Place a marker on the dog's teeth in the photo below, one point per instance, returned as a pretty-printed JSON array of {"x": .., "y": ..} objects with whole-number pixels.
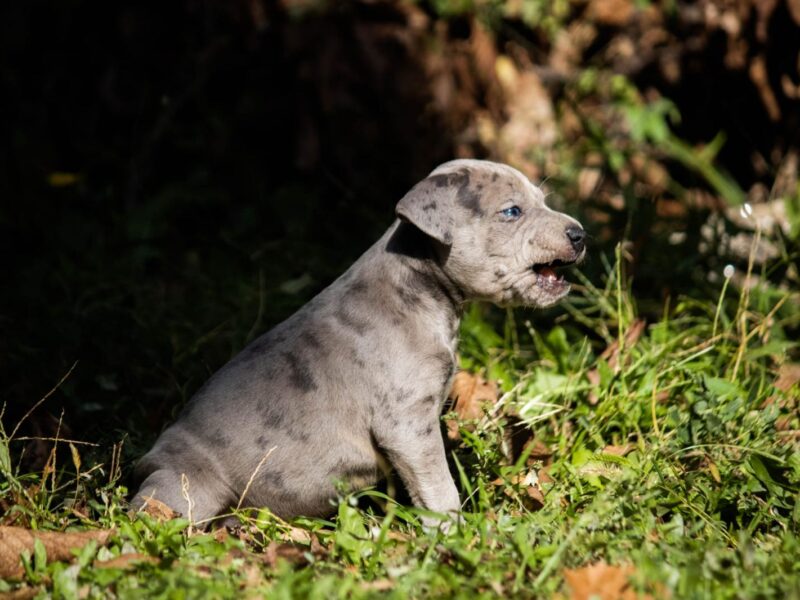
[{"x": 548, "y": 274}]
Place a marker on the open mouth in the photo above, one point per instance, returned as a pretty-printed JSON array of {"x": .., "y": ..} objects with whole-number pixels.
[{"x": 547, "y": 275}]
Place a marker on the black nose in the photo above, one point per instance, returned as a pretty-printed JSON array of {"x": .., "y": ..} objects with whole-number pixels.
[{"x": 577, "y": 237}]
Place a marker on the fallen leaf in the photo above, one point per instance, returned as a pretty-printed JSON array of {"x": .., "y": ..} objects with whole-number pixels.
[
  {"x": 611, "y": 354},
  {"x": 788, "y": 376},
  {"x": 292, "y": 553},
  {"x": 614, "y": 13},
  {"x": 531, "y": 123},
  {"x": 221, "y": 534},
  {"x": 544, "y": 475},
  {"x": 588, "y": 181},
  {"x": 23, "y": 593},
  {"x": 253, "y": 577},
  {"x": 618, "y": 450},
  {"x": 302, "y": 536},
  {"x": 317, "y": 549},
  {"x": 399, "y": 536},
  {"x": 125, "y": 561},
  {"x": 535, "y": 500},
  {"x": 794, "y": 10},
  {"x": 158, "y": 510},
  {"x": 601, "y": 581},
  {"x": 529, "y": 482},
  {"x": 378, "y": 585},
  {"x": 517, "y": 436},
  {"x": 59, "y": 545},
  {"x": 470, "y": 393},
  {"x": 538, "y": 451},
  {"x": 787, "y": 382},
  {"x": 760, "y": 78}
]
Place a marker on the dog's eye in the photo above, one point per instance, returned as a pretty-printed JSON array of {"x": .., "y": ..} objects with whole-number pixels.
[{"x": 512, "y": 212}]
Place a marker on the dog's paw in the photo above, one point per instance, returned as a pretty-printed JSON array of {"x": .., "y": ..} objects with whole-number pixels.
[{"x": 448, "y": 523}]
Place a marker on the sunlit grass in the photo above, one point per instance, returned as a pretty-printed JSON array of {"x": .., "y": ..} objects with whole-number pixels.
[{"x": 664, "y": 454}]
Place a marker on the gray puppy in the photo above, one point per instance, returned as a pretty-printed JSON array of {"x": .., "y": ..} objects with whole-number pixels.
[{"x": 361, "y": 371}]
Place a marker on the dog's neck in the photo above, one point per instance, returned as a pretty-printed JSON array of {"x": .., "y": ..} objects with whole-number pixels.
[{"x": 423, "y": 257}]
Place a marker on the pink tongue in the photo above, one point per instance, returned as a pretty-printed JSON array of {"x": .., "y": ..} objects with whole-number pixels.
[{"x": 548, "y": 273}]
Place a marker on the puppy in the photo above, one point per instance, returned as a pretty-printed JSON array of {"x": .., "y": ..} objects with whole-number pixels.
[{"x": 358, "y": 375}]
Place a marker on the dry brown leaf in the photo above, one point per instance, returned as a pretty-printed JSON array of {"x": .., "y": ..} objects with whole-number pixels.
[
  {"x": 125, "y": 561},
  {"x": 786, "y": 381},
  {"x": 59, "y": 545},
  {"x": 790, "y": 90},
  {"x": 533, "y": 498},
  {"x": 484, "y": 51},
  {"x": 398, "y": 536},
  {"x": 788, "y": 376},
  {"x": 471, "y": 393},
  {"x": 764, "y": 10},
  {"x": 23, "y": 593},
  {"x": 794, "y": 10},
  {"x": 158, "y": 510},
  {"x": 539, "y": 452},
  {"x": 317, "y": 549},
  {"x": 544, "y": 475},
  {"x": 601, "y": 581},
  {"x": 651, "y": 172},
  {"x": 253, "y": 577},
  {"x": 531, "y": 124},
  {"x": 588, "y": 181},
  {"x": 378, "y": 585},
  {"x": 611, "y": 354},
  {"x": 760, "y": 78},
  {"x": 614, "y": 13},
  {"x": 301, "y": 536},
  {"x": 292, "y": 553},
  {"x": 618, "y": 450},
  {"x": 221, "y": 534},
  {"x": 789, "y": 436},
  {"x": 668, "y": 208}
]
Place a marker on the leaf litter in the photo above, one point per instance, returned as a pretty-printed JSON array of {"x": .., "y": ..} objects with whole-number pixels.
[
  {"x": 471, "y": 395},
  {"x": 601, "y": 581},
  {"x": 59, "y": 546}
]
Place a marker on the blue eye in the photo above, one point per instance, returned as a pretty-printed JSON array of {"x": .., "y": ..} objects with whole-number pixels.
[{"x": 513, "y": 212}]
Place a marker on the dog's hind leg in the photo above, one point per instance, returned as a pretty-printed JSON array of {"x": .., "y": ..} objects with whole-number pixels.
[{"x": 196, "y": 499}]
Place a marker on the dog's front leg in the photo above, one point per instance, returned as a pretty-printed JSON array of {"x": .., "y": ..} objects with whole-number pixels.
[{"x": 416, "y": 450}]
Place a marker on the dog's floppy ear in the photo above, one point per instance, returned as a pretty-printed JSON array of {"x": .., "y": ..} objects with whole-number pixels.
[{"x": 429, "y": 205}]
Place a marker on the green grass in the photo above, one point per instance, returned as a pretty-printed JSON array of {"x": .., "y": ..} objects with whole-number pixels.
[{"x": 703, "y": 503}]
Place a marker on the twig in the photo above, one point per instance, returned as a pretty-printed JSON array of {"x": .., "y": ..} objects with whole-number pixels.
[
  {"x": 253, "y": 476},
  {"x": 32, "y": 438},
  {"x": 189, "y": 501},
  {"x": 43, "y": 398}
]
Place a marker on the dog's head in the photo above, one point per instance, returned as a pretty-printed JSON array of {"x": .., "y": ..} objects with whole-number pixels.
[{"x": 500, "y": 242}]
